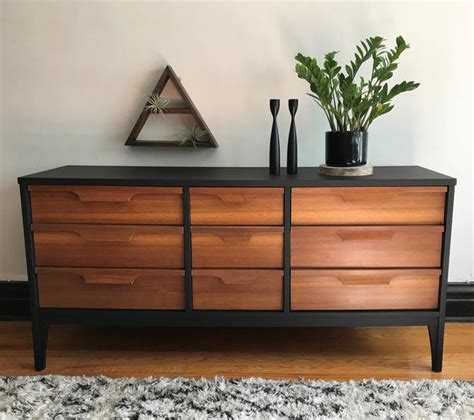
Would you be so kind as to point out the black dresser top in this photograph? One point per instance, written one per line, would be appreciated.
(209, 176)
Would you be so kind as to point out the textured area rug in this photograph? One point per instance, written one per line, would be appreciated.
(61, 397)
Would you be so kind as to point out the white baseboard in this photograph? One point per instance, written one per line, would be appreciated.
(13, 277)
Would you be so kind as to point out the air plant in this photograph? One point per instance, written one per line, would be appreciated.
(192, 136)
(157, 104)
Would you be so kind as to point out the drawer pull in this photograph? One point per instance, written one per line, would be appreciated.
(234, 237)
(387, 196)
(369, 198)
(219, 279)
(232, 198)
(113, 279)
(101, 196)
(364, 281)
(104, 236)
(366, 236)
(230, 280)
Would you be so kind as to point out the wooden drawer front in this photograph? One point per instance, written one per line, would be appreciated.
(238, 289)
(366, 246)
(368, 206)
(103, 288)
(237, 247)
(91, 204)
(364, 289)
(108, 246)
(236, 206)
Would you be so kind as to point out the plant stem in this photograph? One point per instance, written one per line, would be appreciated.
(327, 113)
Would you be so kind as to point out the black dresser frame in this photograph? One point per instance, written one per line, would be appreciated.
(232, 177)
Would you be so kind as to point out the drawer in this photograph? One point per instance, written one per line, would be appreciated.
(114, 205)
(368, 206)
(108, 246)
(237, 247)
(366, 246)
(236, 206)
(364, 289)
(238, 289)
(110, 288)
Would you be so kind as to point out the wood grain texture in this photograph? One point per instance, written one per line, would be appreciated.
(236, 206)
(366, 246)
(364, 289)
(238, 289)
(340, 171)
(108, 288)
(69, 245)
(368, 205)
(110, 205)
(237, 247)
(278, 353)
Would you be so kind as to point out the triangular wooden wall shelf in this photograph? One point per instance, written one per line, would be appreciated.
(189, 108)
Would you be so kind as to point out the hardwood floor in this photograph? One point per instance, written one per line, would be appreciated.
(330, 353)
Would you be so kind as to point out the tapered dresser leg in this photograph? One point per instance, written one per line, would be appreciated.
(39, 327)
(40, 342)
(436, 332)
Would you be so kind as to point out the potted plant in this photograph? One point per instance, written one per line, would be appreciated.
(352, 105)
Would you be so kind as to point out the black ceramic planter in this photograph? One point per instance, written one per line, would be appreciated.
(346, 148)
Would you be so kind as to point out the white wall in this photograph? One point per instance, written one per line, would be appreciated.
(75, 75)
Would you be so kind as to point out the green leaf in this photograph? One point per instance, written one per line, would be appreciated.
(401, 42)
(401, 88)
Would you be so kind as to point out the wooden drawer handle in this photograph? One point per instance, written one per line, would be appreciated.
(368, 198)
(231, 198)
(376, 197)
(234, 237)
(366, 236)
(100, 196)
(364, 281)
(113, 279)
(111, 196)
(112, 237)
(229, 280)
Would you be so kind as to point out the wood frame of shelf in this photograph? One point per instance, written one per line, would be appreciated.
(169, 75)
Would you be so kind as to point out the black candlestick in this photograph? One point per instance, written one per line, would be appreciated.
(292, 156)
(274, 139)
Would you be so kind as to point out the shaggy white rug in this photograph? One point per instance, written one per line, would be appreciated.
(61, 397)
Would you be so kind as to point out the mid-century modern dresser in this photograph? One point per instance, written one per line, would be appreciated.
(237, 247)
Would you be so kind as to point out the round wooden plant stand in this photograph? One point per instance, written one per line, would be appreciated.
(363, 170)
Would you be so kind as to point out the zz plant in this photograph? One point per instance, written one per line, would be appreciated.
(350, 104)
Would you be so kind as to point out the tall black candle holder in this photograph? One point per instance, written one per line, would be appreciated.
(292, 154)
(274, 139)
